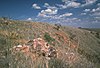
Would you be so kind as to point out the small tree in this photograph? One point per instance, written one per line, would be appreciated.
(58, 26)
(5, 18)
(97, 35)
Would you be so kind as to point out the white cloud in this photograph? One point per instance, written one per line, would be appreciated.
(65, 0)
(96, 10)
(87, 10)
(49, 7)
(49, 11)
(46, 5)
(83, 13)
(49, 16)
(96, 14)
(66, 14)
(73, 4)
(55, 17)
(69, 20)
(41, 15)
(29, 19)
(68, 4)
(88, 2)
(93, 10)
(62, 6)
(98, 4)
(97, 18)
(35, 6)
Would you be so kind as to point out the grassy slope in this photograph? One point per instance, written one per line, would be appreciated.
(89, 45)
(19, 32)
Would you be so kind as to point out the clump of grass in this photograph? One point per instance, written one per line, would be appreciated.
(14, 35)
(57, 63)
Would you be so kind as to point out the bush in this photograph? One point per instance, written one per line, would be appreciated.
(5, 18)
(57, 26)
(97, 35)
(48, 38)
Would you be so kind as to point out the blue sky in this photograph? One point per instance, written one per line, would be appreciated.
(79, 13)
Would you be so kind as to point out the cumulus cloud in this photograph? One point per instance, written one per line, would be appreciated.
(83, 13)
(88, 2)
(68, 4)
(98, 4)
(41, 15)
(55, 17)
(35, 6)
(46, 5)
(49, 11)
(87, 10)
(96, 9)
(73, 4)
(93, 10)
(66, 14)
(62, 6)
(98, 18)
(65, 0)
(96, 14)
(29, 19)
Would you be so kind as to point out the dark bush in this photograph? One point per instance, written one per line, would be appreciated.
(57, 26)
(97, 35)
(48, 38)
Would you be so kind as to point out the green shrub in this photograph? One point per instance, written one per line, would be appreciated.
(48, 38)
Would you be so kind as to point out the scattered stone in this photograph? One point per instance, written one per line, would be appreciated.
(41, 48)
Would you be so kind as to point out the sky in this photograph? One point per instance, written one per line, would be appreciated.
(77, 13)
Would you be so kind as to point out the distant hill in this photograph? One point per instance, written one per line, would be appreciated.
(76, 48)
(93, 29)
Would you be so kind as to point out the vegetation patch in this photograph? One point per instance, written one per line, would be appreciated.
(48, 38)
(90, 57)
(57, 63)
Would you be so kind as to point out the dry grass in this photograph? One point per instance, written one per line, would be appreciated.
(85, 55)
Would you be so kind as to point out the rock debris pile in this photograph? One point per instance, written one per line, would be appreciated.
(37, 46)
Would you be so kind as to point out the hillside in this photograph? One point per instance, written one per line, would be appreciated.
(76, 48)
(93, 29)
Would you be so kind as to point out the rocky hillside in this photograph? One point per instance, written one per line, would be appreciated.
(41, 45)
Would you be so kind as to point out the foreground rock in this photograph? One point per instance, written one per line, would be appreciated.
(37, 46)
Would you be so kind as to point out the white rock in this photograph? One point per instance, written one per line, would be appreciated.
(19, 46)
